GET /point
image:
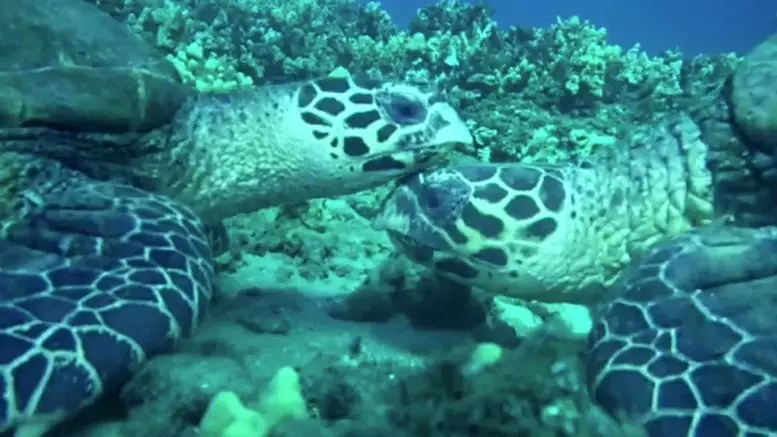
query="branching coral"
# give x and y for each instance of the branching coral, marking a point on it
(524, 89)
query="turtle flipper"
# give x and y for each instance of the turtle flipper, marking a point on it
(688, 342)
(95, 277)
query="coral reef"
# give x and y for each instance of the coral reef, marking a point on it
(547, 94)
(530, 93)
(357, 379)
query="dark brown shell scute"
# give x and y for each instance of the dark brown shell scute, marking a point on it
(754, 93)
(67, 65)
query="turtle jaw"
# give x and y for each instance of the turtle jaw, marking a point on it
(403, 133)
(422, 211)
(282, 144)
(394, 165)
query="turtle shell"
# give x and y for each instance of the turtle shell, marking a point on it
(754, 95)
(65, 64)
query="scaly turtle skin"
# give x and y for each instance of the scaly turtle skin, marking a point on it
(95, 278)
(109, 168)
(96, 98)
(554, 233)
(685, 341)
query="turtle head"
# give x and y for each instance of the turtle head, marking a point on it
(377, 131)
(491, 225)
(424, 218)
(250, 149)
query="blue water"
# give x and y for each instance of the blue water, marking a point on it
(693, 26)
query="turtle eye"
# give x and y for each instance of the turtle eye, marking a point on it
(432, 199)
(437, 203)
(404, 109)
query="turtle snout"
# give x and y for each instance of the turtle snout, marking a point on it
(448, 127)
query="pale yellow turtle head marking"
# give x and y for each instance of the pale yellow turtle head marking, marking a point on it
(487, 225)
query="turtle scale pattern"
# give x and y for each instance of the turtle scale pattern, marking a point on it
(83, 233)
(493, 226)
(226, 154)
(111, 198)
(59, 71)
(753, 101)
(94, 278)
(114, 179)
(688, 346)
(103, 101)
(344, 133)
(687, 342)
(503, 227)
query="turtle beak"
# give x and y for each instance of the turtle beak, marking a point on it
(451, 131)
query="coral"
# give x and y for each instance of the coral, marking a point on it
(227, 416)
(533, 390)
(524, 89)
(533, 95)
(223, 44)
(311, 244)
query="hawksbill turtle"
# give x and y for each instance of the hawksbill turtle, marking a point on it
(666, 236)
(112, 170)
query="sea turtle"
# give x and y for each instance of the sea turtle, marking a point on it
(111, 169)
(686, 340)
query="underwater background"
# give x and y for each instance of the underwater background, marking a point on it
(693, 27)
(319, 318)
